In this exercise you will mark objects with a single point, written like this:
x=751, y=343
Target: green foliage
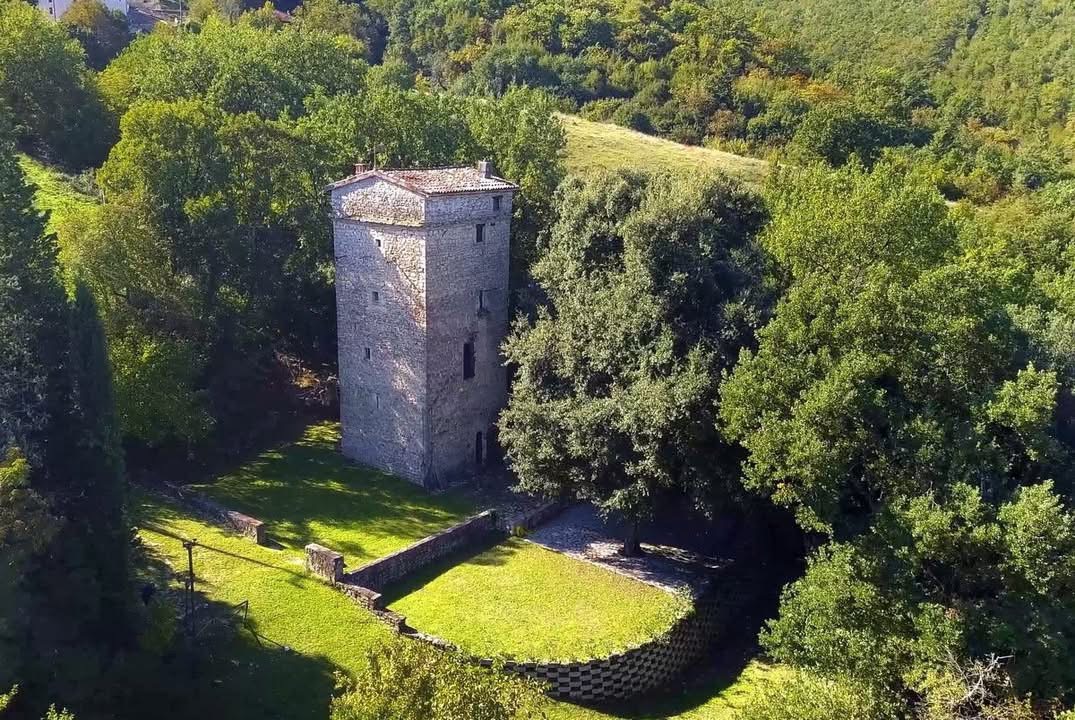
x=411, y=681
x=767, y=74
x=103, y=33
x=899, y=348
x=26, y=525
x=45, y=83
x=802, y=695
x=338, y=18
x=238, y=68
x=893, y=404
x=6, y=698
x=653, y=284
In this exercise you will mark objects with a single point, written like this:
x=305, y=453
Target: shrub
x=412, y=681
x=801, y=695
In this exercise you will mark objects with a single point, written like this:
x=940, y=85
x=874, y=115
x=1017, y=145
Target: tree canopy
x=653, y=284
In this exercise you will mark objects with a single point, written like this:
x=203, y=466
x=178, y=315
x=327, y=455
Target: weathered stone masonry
x=418, y=288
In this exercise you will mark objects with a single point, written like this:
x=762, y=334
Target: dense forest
x=979, y=91
x=875, y=348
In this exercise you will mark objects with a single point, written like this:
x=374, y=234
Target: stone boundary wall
x=249, y=527
x=630, y=673
x=620, y=676
x=380, y=573
x=531, y=519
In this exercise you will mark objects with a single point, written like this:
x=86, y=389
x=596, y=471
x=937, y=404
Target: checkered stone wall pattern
x=633, y=672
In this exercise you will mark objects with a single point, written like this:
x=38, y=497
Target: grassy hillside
x=593, y=145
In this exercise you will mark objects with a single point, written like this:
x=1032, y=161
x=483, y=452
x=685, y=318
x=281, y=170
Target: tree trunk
x=632, y=547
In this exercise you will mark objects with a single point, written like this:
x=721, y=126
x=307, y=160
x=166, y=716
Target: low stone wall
x=531, y=519
x=324, y=563
x=247, y=526
x=380, y=573
x=633, y=672
x=620, y=676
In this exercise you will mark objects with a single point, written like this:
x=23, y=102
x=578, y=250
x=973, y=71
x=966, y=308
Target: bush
x=631, y=117
x=412, y=681
x=801, y=695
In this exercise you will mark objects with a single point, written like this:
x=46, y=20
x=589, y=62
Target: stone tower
x=422, y=309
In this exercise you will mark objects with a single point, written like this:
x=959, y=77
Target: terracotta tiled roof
x=437, y=181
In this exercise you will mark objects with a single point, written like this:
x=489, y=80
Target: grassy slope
x=369, y=513
x=325, y=632
x=288, y=608
x=307, y=492
x=534, y=604
x=55, y=194
x=593, y=145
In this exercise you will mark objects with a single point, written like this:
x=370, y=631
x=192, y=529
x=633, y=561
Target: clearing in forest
x=594, y=145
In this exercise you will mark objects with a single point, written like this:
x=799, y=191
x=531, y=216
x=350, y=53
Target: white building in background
x=56, y=8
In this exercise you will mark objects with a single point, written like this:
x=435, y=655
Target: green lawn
x=288, y=607
x=308, y=492
x=326, y=632
x=521, y=600
x=593, y=145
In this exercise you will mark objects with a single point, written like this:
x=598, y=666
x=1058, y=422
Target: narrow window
x=481, y=299
x=479, y=232
x=376, y=297
x=496, y=203
x=468, y=360
x=378, y=242
x=479, y=449
x=369, y=354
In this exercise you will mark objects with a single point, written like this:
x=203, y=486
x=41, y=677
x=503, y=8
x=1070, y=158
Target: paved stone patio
x=580, y=532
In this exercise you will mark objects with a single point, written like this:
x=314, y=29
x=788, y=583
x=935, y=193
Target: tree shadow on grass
x=361, y=512
x=734, y=648
x=226, y=668
x=493, y=551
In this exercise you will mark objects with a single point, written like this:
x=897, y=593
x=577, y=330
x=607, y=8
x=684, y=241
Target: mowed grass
x=520, y=600
x=593, y=145
x=321, y=629
x=308, y=631
x=513, y=598
x=308, y=492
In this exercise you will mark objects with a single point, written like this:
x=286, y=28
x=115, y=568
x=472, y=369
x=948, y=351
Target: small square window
x=369, y=354
x=468, y=360
x=479, y=232
x=378, y=242
x=376, y=297
x=496, y=203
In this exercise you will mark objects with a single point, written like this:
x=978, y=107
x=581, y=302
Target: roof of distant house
x=437, y=181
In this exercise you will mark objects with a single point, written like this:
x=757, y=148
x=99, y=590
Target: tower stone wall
x=416, y=283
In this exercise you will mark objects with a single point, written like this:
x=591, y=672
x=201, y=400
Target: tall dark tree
x=654, y=283
x=61, y=475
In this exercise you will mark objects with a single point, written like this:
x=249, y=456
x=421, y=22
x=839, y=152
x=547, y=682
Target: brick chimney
x=361, y=167
x=485, y=168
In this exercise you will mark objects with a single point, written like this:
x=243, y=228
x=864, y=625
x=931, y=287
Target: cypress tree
x=94, y=500
x=69, y=608
x=33, y=310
